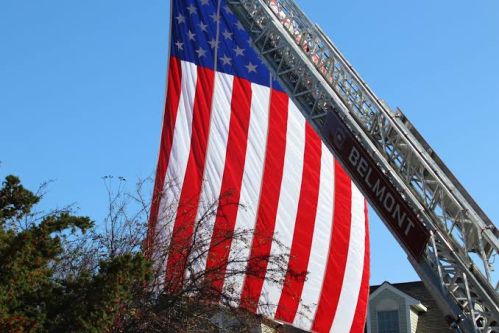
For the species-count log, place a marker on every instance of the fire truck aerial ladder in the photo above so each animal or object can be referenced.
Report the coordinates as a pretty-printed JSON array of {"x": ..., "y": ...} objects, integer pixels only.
[{"x": 449, "y": 240}]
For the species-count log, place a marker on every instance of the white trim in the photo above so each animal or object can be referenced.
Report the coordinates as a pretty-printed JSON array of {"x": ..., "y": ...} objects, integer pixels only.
[
  {"x": 409, "y": 299},
  {"x": 368, "y": 318},
  {"x": 408, "y": 316},
  {"x": 420, "y": 307}
]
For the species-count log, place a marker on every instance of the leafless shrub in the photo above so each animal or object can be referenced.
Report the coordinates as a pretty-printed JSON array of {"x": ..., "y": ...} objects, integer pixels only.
[{"x": 181, "y": 302}]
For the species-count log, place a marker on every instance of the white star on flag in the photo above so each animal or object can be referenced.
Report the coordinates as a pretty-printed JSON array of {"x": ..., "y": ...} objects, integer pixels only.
[
  {"x": 191, "y": 9},
  {"x": 180, "y": 18},
  {"x": 215, "y": 18},
  {"x": 191, "y": 35},
  {"x": 226, "y": 60},
  {"x": 239, "y": 51},
  {"x": 213, "y": 43},
  {"x": 227, "y": 34},
  {"x": 227, "y": 9},
  {"x": 251, "y": 67},
  {"x": 201, "y": 52},
  {"x": 203, "y": 27}
]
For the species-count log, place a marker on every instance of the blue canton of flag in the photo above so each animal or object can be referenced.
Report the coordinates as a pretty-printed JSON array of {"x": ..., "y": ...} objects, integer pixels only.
[{"x": 206, "y": 29}]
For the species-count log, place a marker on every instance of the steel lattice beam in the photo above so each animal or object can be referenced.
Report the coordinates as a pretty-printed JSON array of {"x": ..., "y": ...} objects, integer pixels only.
[{"x": 457, "y": 242}]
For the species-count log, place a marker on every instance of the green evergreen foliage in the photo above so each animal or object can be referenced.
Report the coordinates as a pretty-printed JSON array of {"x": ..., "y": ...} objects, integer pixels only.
[
  {"x": 61, "y": 273},
  {"x": 35, "y": 296}
]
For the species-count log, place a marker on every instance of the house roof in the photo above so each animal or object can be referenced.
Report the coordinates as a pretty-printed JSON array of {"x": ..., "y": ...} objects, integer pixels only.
[
  {"x": 411, "y": 291},
  {"x": 431, "y": 321}
]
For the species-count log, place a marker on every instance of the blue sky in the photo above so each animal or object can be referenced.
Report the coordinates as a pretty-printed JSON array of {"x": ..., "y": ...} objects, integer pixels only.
[{"x": 82, "y": 90}]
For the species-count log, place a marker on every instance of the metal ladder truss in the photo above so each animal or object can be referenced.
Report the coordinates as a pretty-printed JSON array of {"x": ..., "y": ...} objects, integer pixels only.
[{"x": 449, "y": 240}]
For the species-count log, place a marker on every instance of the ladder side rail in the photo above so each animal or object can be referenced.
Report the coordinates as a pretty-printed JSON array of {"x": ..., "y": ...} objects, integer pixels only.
[
  {"x": 476, "y": 235},
  {"x": 399, "y": 114},
  {"x": 380, "y": 105},
  {"x": 451, "y": 250},
  {"x": 463, "y": 202},
  {"x": 417, "y": 136},
  {"x": 457, "y": 192}
]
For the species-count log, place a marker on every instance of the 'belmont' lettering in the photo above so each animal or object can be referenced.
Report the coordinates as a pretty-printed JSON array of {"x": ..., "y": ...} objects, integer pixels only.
[
  {"x": 389, "y": 202},
  {"x": 379, "y": 191},
  {"x": 392, "y": 206},
  {"x": 385, "y": 198}
]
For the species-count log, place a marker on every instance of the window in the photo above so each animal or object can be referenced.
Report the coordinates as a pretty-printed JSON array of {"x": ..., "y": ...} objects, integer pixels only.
[{"x": 388, "y": 322}]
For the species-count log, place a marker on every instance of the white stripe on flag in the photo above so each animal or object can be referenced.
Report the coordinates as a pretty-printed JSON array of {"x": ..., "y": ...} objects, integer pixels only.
[
  {"x": 214, "y": 166},
  {"x": 250, "y": 187},
  {"x": 320, "y": 243},
  {"x": 354, "y": 267},
  {"x": 178, "y": 162},
  {"x": 287, "y": 208}
]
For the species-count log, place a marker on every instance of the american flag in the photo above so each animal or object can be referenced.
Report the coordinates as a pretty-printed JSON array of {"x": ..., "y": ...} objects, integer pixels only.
[{"x": 230, "y": 128}]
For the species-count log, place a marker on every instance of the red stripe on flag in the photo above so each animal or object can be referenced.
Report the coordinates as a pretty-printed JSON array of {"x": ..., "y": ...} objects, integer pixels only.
[
  {"x": 304, "y": 229},
  {"x": 169, "y": 119},
  {"x": 269, "y": 200},
  {"x": 338, "y": 252},
  {"x": 359, "y": 319},
  {"x": 191, "y": 188},
  {"x": 230, "y": 191}
]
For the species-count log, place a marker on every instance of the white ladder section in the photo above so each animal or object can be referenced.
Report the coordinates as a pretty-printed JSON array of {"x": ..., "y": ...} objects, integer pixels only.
[{"x": 448, "y": 239}]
